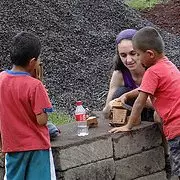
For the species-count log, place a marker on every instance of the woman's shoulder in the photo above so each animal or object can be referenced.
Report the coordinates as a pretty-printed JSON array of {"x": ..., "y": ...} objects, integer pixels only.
[
  {"x": 117, "y": 74},
  {"x": 117, "y": 78}
]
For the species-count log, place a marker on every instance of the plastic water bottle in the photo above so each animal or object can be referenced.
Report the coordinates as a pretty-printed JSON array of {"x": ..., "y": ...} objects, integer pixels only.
[{"x": 80, "y": 115}]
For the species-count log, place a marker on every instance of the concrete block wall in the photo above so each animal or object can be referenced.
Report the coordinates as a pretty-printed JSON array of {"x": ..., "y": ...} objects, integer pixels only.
[{"x": 132, "y": 155}]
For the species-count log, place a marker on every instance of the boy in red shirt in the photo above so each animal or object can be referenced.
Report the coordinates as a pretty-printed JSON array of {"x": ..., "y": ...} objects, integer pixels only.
[
  {"x": 161, "y": 82},
  {"x": 24, "y": 104}
]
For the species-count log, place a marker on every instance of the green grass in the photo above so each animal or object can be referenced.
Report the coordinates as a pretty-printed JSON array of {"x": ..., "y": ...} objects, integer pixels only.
[
  {"x": 59, "y": 118},
  {"x": 142, "y": 4}
]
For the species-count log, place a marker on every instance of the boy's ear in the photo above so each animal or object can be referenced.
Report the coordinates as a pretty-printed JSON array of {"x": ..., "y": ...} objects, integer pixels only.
[
  {"x": 32, "y": 62},
  {"x": 150, "y": 53}
]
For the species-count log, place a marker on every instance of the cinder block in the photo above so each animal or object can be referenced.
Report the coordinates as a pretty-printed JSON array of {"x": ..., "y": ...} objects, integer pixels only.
[
  {"x": 145, "y": 163},
  {"x": 2, "y": 172},
  {"x": 156, "y": 176},
  {"x": 78, "y": 155},
  {"x": 174, "y": 178},
  {"x": 101, "y": 170},
  {"x": 136, "y": 141}
]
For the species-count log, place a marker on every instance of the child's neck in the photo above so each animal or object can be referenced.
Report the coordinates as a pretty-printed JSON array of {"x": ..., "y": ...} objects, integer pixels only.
[
  {"x": 159, "y": 57},
  {"x": 19, "y": 69}
]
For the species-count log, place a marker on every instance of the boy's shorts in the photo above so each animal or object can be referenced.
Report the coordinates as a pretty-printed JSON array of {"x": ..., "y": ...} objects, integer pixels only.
[
  {"x": 29, "y": 165},
  {"x": 174, "y": 146}
]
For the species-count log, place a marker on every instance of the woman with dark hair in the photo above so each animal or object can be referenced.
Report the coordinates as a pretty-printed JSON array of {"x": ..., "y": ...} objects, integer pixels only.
[{"x": 128, "y": 71}]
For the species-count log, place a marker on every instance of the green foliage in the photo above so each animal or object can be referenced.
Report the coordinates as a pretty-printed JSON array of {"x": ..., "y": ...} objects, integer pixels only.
[
  {"x": 59, "y": 118},
  {"x": 142, "y": 4}
]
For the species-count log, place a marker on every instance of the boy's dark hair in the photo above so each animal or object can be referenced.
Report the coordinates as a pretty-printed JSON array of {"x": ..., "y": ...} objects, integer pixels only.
[
  {"x": 148, "y": 38},
  {"x": 25, "y": 46}
]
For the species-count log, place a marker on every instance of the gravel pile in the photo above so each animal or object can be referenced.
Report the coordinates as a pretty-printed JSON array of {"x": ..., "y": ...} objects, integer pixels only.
[{"x": 78, "y": 38}]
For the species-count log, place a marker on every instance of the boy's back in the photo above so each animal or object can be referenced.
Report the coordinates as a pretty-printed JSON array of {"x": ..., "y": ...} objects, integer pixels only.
[
  {"x": 24, "y": 104},
  {"x": 21, "y": 97},
  {"x": 162, "y": 81}
]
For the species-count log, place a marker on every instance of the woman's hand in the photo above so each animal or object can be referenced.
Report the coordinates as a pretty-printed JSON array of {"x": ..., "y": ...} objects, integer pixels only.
[
  {"x": 122, "y": 98},
  {"x": 120, "y": 129},
  {"x": 107, "y": 111}
]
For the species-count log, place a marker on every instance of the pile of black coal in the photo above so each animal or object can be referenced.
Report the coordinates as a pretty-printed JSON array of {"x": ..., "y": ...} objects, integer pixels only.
[{"x": 78, "y": 38}]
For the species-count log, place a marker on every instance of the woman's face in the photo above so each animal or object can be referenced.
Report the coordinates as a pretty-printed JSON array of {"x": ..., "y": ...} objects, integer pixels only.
[{"x": 128, "y": 54}]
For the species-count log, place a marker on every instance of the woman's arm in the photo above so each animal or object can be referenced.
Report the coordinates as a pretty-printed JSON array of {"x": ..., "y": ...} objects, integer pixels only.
[
  {"x": 133, "y": 94},
  {"x": 125, "y": 97},
  {"x": 115, "y": 82},
  {"x": 128, "y": 95}
]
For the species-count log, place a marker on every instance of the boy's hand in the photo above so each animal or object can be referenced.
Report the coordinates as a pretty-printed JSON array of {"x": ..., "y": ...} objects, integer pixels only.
[{"x": 120, "y": 129}]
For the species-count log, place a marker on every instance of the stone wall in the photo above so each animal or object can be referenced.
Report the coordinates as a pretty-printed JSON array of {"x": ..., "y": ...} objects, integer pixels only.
[{"x": 103, "y": 156}]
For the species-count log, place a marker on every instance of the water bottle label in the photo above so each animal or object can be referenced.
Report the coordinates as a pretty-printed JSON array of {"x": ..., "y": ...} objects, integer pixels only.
[{"x": 80, "y": 117}]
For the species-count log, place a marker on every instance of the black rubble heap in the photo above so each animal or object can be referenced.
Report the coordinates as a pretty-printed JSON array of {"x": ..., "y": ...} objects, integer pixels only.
[{"x": 78, "y": 38}]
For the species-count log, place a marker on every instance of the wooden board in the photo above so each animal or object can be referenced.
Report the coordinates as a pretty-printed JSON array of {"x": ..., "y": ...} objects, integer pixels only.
[{"x": 119, "y": 116}]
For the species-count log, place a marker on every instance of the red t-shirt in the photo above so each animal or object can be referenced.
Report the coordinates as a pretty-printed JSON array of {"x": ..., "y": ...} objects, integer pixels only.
[
  {"x": 162, "y": 81},
  {"x": 22, "y": 97}
]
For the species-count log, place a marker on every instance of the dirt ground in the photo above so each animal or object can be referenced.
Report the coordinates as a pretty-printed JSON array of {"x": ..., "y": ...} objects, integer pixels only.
[{"x": 165, "y": 15}]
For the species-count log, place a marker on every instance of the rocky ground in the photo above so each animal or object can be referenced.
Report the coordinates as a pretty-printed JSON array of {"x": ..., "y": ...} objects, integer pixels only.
[{"x": 78, "y": 42}]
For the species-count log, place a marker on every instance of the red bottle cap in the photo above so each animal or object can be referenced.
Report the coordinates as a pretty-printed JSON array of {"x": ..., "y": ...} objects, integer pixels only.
[{"x": 78, "y": 103}]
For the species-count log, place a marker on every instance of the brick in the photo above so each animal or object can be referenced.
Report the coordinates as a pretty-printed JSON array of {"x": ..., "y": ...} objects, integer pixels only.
[
  {"x": 145, "y": 163},
  {"x": 157, "y": 176},
  {"x": 78, "y": 155},
  {"x": 101, "y": 170},
  {"x": 137, "y": 141},
  {"x": 2, "y": 172}
]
